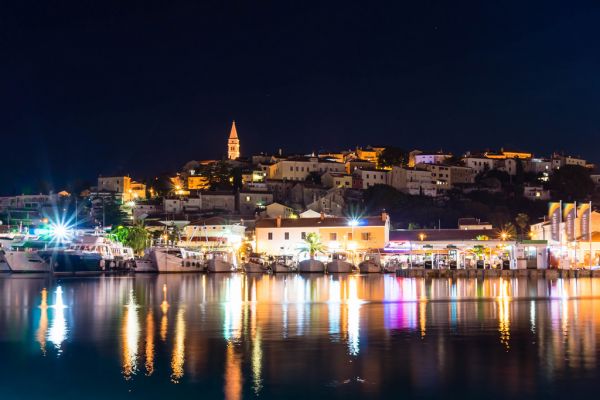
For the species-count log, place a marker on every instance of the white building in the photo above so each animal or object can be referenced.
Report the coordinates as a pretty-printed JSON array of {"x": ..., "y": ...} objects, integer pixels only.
[
  {"x": 370, "y": 177},
  {"x": 299, "y": 168},
  {"x": 213, "y": 233},
  {"x": 336, "y": 179},
  {"x": 431, "y": 158},
  {"x": 479, "y": 164}
]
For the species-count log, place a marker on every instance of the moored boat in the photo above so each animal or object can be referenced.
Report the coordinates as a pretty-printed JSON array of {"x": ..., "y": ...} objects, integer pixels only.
[
  {"x": 144, "y": 265},
  {"x": 255, "y": 264},
  {"x": 175, "y": 259},
  {"x": 311, "y": 265},
  {"x": 370, "y": 264},
  {"x": 23, "y": 260},
  {"x": 71, "y": 262},
  {"x": 339, "y": 264},
  {"x": 283, "y": 264},
  {"x": 220, "y": 261}
]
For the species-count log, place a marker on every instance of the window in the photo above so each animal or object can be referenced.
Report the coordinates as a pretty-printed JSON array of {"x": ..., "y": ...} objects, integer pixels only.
[
  {"x": 333, "y": 236},
  {"x": 270, "y": 235},
  {"x": 286, "y": 236},
  {"x": 303, "y": 235},
  {"x": 366, "y": 236},
  {"x": 350, "y": 236},
  {"x": 247, "y": 198}
]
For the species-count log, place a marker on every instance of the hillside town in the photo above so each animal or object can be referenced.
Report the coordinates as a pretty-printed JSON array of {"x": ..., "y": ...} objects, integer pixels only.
[{"x": 434, "y": 209}]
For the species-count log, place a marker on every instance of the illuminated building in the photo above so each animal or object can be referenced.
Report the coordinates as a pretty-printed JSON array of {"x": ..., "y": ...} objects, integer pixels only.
[
  {"x": 233, "y": 144},
  {"x": 286, "y": 235}
]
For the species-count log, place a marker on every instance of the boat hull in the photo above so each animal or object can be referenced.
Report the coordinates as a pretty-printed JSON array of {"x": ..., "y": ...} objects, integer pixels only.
[
  {"x": 311, "y": 266},
  {"x": 338, "y": 267},
  {"x": 367, "y": 267},
  {"x": 281, "y": 268},
  {"x": 73, "y": 263},
  {"x": 25, "y": 261},
  {"x": 251, "y": 267},
  {"x": 165, "y": 262},
  {"x": 145, "y": 265},
  {"x": 219, "y": 266}
]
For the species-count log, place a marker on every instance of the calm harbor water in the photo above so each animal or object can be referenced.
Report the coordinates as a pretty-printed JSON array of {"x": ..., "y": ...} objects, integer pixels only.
[{"x": 243, "y": 336}]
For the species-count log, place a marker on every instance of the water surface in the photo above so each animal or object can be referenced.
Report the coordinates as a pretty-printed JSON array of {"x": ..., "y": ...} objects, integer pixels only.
[{"x": 244, "y": 336}]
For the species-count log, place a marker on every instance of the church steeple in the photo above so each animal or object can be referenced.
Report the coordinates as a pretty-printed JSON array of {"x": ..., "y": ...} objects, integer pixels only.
[{"x": 233, "y": 144}]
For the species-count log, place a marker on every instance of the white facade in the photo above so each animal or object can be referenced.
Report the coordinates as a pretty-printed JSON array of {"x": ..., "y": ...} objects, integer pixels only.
[
  {"x": 479, "y": 164},
  {"x": 371, "y": 177},
  {"x": 431, "y": 158},
  {"x": 299, "y": 169}
]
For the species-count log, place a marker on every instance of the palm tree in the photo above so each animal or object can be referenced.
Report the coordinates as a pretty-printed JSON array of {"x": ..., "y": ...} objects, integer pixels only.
[
  {"x": 522, "y": 220},
  {"x": 312, "y": 245}
]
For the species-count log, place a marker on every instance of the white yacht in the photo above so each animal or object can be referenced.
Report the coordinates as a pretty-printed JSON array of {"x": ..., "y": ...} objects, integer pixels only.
[
  {"x": 18, "y": 253},
  {"x": 22, "y": 260},
  {"x": 176, "y": 259},
  {"x": 112, "y": 253}
]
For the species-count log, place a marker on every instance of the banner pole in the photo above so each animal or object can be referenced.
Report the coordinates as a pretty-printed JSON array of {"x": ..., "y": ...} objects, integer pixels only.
[{"x": 590, "y": 233}]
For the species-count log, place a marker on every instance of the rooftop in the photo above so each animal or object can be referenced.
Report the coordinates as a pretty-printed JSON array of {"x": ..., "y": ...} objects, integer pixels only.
[
  {"x": 318, "y": 222},
  {"x": 432, "y": 235}
]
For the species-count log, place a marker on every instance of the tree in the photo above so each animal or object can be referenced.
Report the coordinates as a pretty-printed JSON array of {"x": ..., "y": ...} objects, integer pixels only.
[
  {"x": 391, "y": 156},
  {"x": 522, "y": 220},
  {"x": 571, "y": 182},
  {"x": 136, "y": 237},
  {"x": 312, "y": 245}
]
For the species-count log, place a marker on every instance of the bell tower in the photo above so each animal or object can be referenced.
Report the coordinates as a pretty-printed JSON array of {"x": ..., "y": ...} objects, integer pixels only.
[{"x": 233, "y": 144}]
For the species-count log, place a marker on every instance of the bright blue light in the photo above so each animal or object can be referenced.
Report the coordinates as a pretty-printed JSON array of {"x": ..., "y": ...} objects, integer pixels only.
[
  {"x": 353, "y": 222},
  {"x": 60, "y": 232}
]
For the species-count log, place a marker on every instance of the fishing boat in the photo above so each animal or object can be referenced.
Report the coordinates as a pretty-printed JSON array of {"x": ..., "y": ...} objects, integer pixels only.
[
  {"x": 370, "y": 264},
  {"x": 311, "y": 265},
  {"x": 282, "y": 264},
  {"x": 176, "y": 259},
  {"x": 145, "y": 264},
  {"x": 339, "y": 264},
  {"x": 255, "y": 264},
  {"x": 220, "y": 261}
]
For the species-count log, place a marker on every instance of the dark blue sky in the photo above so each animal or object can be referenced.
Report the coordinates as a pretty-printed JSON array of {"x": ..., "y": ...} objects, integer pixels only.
[{"x": 89, "y": 87}]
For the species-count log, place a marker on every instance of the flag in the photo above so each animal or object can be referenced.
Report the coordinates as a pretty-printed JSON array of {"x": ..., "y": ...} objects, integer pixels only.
[
  {"x": 584, "y": 212},
  {"x": 569, "y": 218},
  {"x": 554, "y": 217}
]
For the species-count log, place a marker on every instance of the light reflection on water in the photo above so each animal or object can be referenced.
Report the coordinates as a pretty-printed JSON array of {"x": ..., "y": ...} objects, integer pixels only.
[{"x": 257, "y": 335}]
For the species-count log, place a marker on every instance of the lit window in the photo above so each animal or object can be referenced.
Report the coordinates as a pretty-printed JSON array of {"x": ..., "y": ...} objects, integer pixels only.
[
  {"x": 366, "y": 236},
  {"x": 333, "y": 236}
]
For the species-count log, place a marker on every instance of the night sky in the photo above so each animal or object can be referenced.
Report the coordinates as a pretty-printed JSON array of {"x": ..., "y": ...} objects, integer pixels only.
[{"x": 100, "y": 87}]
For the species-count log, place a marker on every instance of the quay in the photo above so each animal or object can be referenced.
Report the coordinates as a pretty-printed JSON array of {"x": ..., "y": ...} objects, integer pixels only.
[{"x": 495, "y": 273}]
